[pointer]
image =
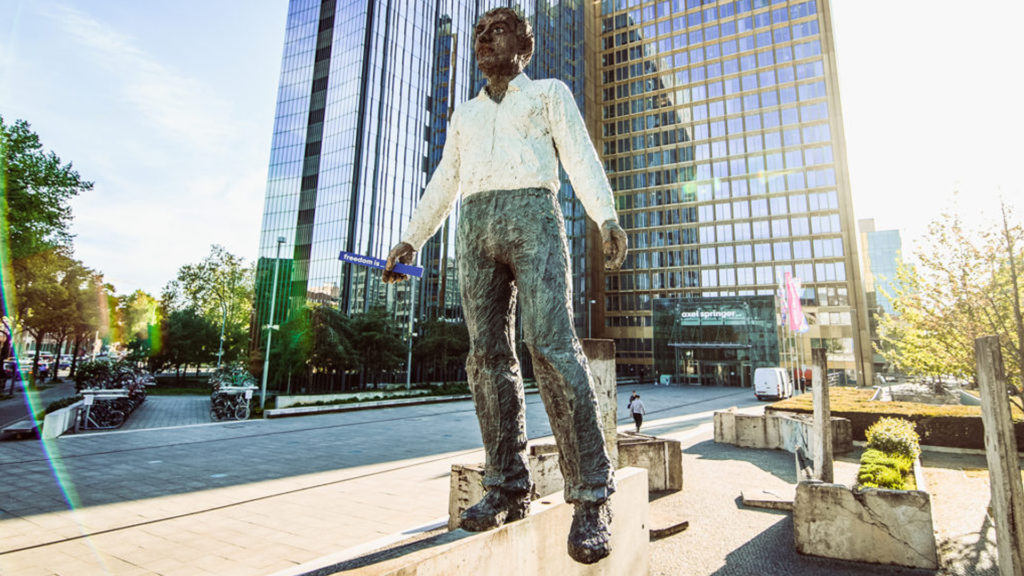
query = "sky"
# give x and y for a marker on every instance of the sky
(168, 107)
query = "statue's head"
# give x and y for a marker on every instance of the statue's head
(503, 41)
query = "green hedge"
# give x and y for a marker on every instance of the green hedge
(950, 426)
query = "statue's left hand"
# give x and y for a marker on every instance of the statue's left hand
(615, 243)
(402, 252)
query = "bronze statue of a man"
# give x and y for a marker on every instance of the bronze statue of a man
(502, 155)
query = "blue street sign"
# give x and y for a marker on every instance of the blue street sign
(379, 263)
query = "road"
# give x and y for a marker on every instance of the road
(17, 407)
(113, 467)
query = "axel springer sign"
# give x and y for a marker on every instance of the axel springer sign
(706, 316)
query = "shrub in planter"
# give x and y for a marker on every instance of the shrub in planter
(894, 436)
(888, 462)
(881, 470)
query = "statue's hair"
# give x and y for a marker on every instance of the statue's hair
(523, 31)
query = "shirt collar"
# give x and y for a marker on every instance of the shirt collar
(516, 84)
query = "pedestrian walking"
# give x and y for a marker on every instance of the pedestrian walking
(637, 409)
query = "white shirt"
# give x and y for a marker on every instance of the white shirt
(510, 145)
(637, 407)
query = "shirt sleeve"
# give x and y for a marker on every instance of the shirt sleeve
(579, 159)
(441, 192)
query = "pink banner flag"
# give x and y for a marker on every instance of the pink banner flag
(797, 322)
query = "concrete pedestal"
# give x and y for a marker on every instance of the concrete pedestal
(536, 545)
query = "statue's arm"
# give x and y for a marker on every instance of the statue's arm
(441, 192)
(436, 203)
(583, 166)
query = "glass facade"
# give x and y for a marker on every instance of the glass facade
(721, 133)
(714, 341)
(365, 94)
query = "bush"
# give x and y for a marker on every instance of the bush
(894, 436)
(62, 403)
(881, 470)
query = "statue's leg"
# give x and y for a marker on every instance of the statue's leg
(544, 278)
(563, 375)
(488, 302)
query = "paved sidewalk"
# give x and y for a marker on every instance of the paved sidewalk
(257, 497)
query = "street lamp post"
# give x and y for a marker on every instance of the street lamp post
(590, 315)
(270, 323)
(223, 322)
(412, 334)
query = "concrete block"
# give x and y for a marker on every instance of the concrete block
(535, 545)
(868, 525)
(467, 482)
(777, 431)
(60, 421)
(661, 457)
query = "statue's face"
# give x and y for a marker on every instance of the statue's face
(497, 46)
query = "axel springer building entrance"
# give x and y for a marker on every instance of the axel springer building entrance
(714, 341)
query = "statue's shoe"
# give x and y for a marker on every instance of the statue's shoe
(590, 538)
(496, 508)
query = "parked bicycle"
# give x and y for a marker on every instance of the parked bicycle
(232, 390)
(226, 406)
(101, 414)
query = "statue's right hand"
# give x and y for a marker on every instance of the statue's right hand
(402, 252)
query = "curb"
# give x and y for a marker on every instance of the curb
(370, 405)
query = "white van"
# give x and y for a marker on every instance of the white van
(772, 383)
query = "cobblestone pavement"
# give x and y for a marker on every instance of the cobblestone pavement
(255, 497)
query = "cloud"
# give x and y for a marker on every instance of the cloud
(178, 105)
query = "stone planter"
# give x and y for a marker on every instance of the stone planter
(866, 524)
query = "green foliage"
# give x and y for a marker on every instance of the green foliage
(879, 469)
(231, 375)
(37, 187)
(441, 348)
(894, 436)
(966, 285)
(378, 342)
(188, 339)
(220, 289)
(62, 403)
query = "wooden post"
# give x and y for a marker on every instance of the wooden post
(1001, 454)
(822, 448)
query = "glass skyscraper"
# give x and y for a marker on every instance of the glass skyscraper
(722, 135)
(718, 123)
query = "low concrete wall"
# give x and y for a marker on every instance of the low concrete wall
(777, 431)
(662, 458)
(535, 546)
(60, 421)
(865, 525)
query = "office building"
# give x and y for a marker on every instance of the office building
(881, 251)
(721, 132)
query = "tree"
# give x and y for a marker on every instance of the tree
(188, 339)
(333, 348)
(965, 285)
(37, 187)
(441, 348)
(378, 342)
(221, 289)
